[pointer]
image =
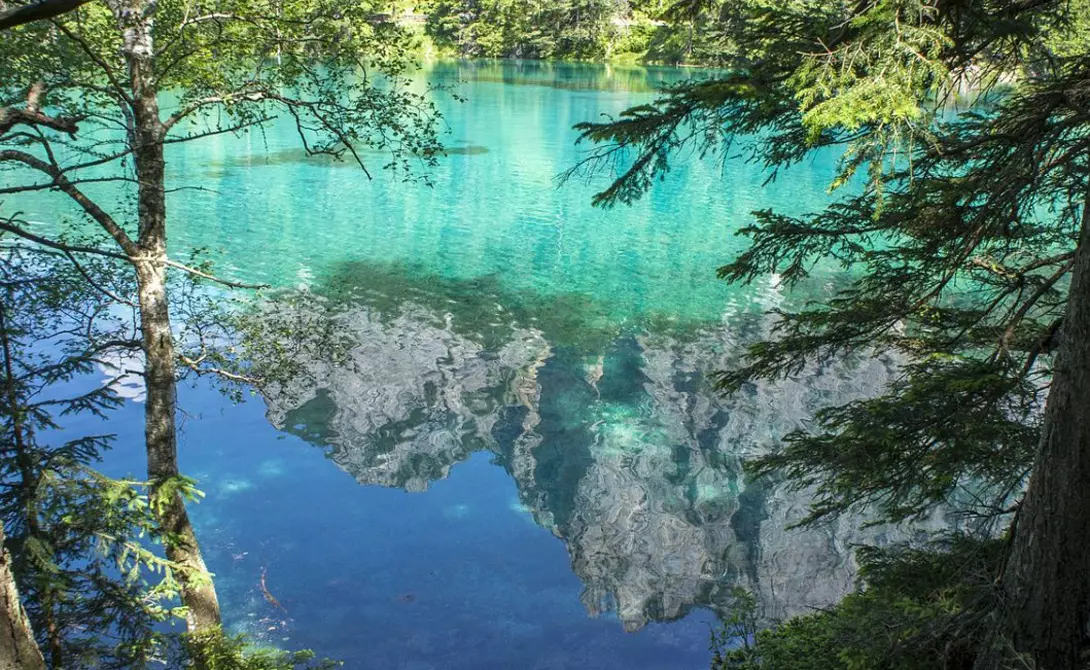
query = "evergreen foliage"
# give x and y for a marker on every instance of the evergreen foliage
(74, 534)
(220, 651)
(575, 29)
(956, 235)
(917, 612)
(641, 30)
(86, 548)
(80, 103)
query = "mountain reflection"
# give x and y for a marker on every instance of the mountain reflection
(615, 440)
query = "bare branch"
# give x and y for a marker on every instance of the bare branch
(28, 188)
(89, 206)
(218, 131)
(46, 9)
(195, 366)
(95, 285)
(10, 227)
(68, 249)
(32, 115)
(293, 106)
(209, 277)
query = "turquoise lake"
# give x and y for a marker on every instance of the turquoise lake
(521, 463)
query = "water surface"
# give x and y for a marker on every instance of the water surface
(521, 463)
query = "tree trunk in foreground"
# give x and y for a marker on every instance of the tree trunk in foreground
(18, 649)
(197, 591)
(1046, 582)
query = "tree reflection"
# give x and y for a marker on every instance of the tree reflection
(616, 441)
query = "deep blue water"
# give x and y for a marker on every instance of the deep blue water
(522, 463)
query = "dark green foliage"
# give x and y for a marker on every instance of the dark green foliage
(219, 651)
(948, 253)
(647, 31)
(941, 425)
(74, 535)
(918, 609)
(564, 29)
(85, 546)
(956, 245)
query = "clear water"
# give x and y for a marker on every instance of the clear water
(522, 464)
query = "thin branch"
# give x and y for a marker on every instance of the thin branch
(45, 187)
(61, 246)
(195, 366)
(119, 90)
(205, 275)
(135, 258)
(219, 131)
(1045, 287)
(46, 9)
(89, 206)
(94, 284)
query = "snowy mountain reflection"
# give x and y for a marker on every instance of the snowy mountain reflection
(616, 441)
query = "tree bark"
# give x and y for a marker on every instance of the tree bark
(1046, 582)
(38, 11)
(197, 591)
(160, 433)
(28, 484)
(18, 649)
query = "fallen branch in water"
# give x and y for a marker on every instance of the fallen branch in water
(269, 596)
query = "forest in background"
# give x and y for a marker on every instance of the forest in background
(973, 259)
(626, 31)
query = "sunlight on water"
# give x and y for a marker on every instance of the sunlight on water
(233, 486)
(521, 457)
(272, 469)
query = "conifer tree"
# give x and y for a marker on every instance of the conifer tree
(97, 71)
(74, 535)
(966, 234)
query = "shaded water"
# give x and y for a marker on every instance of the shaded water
(521, 464)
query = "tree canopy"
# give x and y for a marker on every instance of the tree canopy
(639, 30)
(959, 237)
(92, 96)
(959, 230)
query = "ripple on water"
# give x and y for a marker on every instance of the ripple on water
(456, 512)
(496, 313)
(271, 468)
(235, 486)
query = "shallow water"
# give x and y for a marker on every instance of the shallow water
(521, 463)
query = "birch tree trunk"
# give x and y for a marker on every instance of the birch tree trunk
(160, 433)
(18, 649)
(197, 591)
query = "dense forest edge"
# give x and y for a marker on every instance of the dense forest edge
(968, 229)
(684, 32)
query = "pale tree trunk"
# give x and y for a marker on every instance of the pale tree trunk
(18, 650)
(160, 433)
(1046, 582)
(13, 618)
(198, 593)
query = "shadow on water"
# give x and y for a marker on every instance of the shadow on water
(485, 310)
(299, 156)
(565, 76)
(481, 308)
(615, 440)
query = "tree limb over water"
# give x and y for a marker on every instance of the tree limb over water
(965, 237)
(18, 15)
